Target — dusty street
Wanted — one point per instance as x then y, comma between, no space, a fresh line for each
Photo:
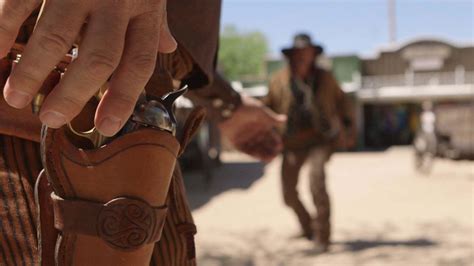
384,213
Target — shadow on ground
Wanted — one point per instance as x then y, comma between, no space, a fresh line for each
298,253
200,189
360,245
257,252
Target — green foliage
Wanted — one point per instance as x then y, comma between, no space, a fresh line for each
242,54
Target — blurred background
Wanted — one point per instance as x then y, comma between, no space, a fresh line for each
398,198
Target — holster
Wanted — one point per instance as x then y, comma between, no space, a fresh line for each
106,206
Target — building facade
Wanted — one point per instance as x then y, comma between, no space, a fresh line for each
395,82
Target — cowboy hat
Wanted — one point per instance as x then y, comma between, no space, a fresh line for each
300,41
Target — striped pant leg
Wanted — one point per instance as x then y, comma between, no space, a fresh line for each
176,247
19,167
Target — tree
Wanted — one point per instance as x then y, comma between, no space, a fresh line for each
242,54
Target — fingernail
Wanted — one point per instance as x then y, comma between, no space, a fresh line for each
53,119
110,125
17,99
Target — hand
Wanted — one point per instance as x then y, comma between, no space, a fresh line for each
120,37
251,129
347,139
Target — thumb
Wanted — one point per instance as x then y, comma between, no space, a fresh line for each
274,118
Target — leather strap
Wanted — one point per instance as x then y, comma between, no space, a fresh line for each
124,223
191,127
47,234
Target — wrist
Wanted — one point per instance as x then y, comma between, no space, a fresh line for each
222,109
219,98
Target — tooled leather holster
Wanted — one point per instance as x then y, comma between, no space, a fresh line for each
109,203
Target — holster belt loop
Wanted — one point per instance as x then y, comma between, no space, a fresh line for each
124,223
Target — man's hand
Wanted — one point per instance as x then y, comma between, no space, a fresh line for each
347,139
251,129
120,37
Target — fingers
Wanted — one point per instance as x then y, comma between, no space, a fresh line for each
54,35
269,146
12,14
252,130
101,54
262,143
131,76
167,42
274,118
247,133
101,50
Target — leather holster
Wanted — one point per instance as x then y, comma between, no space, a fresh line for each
106,206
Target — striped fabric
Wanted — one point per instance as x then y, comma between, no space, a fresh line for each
176,247
19,166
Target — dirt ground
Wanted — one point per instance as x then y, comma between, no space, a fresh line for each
384,213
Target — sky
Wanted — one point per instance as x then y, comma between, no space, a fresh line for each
351,26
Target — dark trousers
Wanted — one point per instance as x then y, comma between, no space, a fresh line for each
319,227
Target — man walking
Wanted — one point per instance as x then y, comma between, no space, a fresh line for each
319,120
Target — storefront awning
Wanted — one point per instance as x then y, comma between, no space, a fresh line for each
403,94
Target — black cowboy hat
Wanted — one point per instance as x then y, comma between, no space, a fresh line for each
300,41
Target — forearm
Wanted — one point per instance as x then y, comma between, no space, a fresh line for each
347,113
345,108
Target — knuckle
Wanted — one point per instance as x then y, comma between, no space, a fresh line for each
53,42
121,6
142,66
11,14
142,7
101,65
144,61
152,4
120,3
26,76
123,100
72,105
6,30
19,8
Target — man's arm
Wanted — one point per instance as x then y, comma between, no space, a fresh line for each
269,99
346,115
246,122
